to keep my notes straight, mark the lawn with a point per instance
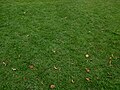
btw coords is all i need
(60, 44)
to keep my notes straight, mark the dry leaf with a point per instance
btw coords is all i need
(112, 55)
(52, 86)
(73, 81)
(88, 79)
(25, 78)
(4, 63)
(87, 70)
(86, 55)
(55, 68)
(31, 66)
(14, 69)
(53, 51)
(110, 58)
(110, 62)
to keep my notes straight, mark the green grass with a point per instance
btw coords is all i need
(59, 33)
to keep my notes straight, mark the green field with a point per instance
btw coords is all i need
(72, 44)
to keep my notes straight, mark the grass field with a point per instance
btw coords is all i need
(69, 44)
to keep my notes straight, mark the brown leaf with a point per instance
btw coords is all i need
(88, 79)
(52, 86)
(87, 70)
(31, 66)
(25, 78)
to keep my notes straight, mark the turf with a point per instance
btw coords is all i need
(72, 44)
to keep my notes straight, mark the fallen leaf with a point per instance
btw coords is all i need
(25, 78)
(53, 51)
(110, 58)
(73, 81)
(88, 79)
(14, 69)
(52, 86)
(55, 68)
(4, 63)
(31, 66)
(87, 70)
(86, 55)
(110, 62)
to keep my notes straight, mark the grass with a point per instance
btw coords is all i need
(44, 42)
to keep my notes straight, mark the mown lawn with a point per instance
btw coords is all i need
(70, 44)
